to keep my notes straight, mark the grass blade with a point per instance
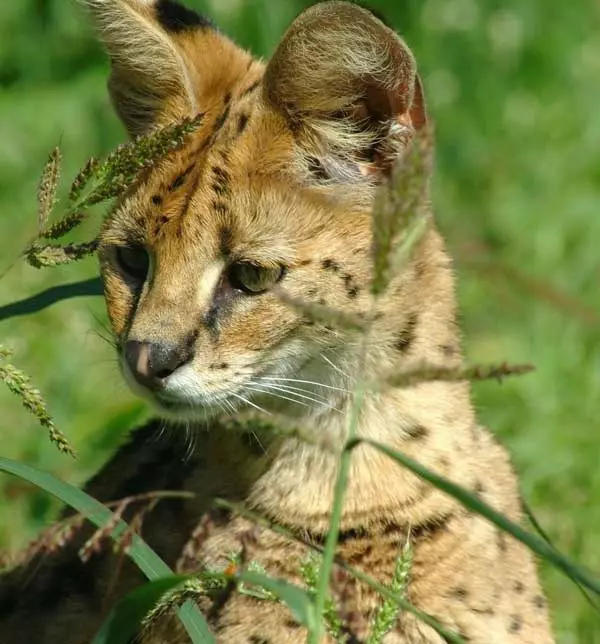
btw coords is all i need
(296, 598)
(475, 504)
(125, 619)
(143, 556)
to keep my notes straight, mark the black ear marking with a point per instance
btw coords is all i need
(175, 18)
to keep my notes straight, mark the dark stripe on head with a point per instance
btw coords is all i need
(251, 88)
(221, 208)
(221, 181)
(176, 18)
(225, 240)
(180, 179)
(221, 120)
(242, 122)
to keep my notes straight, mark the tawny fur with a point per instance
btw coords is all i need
(283, 172)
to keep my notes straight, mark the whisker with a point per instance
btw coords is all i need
(305, 390)
(249, 402)
(307, 382)
(257, 439)
(191, 442)
(330, 363)
(276, 395)
(290, 390)
(274, 391)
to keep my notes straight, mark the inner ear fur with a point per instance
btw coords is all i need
(346, 83)
(166, 60)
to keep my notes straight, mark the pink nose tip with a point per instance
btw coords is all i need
(152, 363)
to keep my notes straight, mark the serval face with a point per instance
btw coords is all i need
(273, 193)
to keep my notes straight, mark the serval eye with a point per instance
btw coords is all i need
(134, 261)
(252, 278)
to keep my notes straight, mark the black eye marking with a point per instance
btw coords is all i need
(133, 261)
(254, 279)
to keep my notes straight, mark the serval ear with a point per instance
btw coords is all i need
(167, 60)
(347, 85)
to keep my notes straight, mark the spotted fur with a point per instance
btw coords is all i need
(278, 185)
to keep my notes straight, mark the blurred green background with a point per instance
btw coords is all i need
(513, 89)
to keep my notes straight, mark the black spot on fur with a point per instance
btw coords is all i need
(459, 592)
(417, 431)
(515, 624)
(518, 587)
(501, 541)
(290, 623)
(176, 18)
(448, 350)
(479, 488)
(539, 602)
(258, 639)
(352, 534)
(420, 268)
(225, 240)
(431, 527)
(157, 200)
(352, 289)
(312, 292)
(406, 337)
(164, 219)
(242, 122)
(330, 265)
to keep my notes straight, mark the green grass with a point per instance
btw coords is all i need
(513, 90)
